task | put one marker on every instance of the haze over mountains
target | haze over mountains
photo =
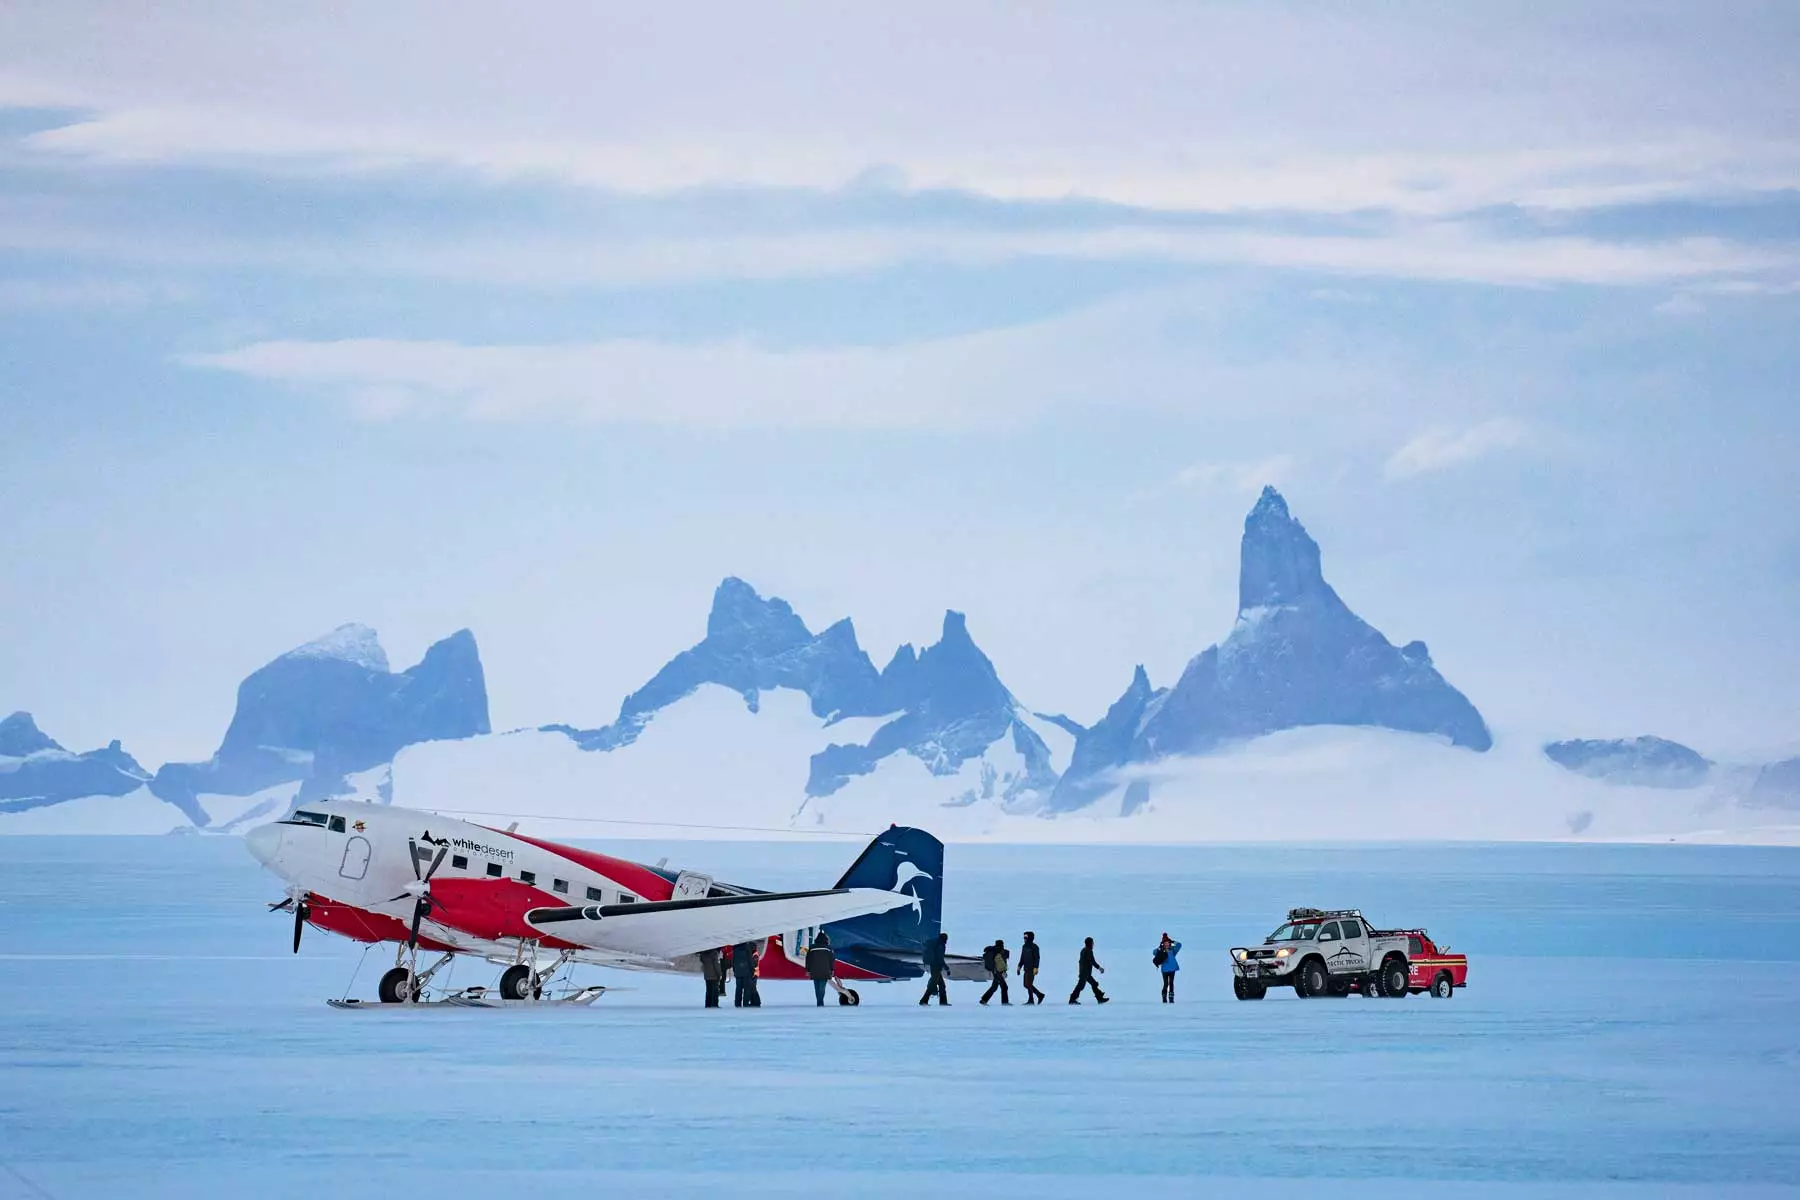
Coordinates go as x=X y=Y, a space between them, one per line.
x=1303 y=721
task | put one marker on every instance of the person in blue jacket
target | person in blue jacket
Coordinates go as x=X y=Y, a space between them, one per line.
x=1165 y=959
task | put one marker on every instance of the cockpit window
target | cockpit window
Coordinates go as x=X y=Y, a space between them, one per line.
x=1295 y=931
x=337 y=824
x=300 y=817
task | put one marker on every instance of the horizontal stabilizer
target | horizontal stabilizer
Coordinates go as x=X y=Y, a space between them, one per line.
x=668 y=929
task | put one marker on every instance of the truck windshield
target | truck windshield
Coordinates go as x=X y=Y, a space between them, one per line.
x=1297 y=931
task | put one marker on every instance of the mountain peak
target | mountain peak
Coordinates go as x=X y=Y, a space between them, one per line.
x=351 y=643
x=19 y=736
x=1279 y=561
x=739 y=614
x=956 y=625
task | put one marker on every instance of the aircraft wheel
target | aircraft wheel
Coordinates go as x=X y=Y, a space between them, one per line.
x=849 y=998
x=392 y=988
x=515 y=983
x=1443 y=987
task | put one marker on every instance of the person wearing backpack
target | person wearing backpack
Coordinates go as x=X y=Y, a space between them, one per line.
x=1028 y=968
x=994 y=959
x=1164 y=958
x=935 y=964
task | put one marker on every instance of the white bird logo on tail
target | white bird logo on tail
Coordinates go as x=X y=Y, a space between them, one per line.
x=904 y=874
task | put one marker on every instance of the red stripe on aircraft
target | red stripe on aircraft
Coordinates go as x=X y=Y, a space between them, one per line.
x=633 y=877
x=361 y=925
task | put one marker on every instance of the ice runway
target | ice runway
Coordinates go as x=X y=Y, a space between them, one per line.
x=1629 y=1030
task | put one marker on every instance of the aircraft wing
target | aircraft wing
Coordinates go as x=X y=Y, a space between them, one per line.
x=671 y=928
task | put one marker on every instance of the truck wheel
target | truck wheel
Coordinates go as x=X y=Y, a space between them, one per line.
x=1371 y=986
x=1312 y=979
x=1394 y=978
x=1443 y=987
x=1245 y=990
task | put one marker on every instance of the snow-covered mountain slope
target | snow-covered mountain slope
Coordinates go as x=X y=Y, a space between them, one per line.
x=1313 y=784
x=46 y=788
x=325 y=710
x=1296 y=656
x=945 y=708
x=134 y=812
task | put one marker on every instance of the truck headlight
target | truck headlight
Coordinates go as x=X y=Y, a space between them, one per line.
x=1240 y=955
x=1284 y=952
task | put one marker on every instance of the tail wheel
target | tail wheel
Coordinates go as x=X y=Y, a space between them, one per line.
x=515 y=983
x=1312 y=980
x=393 y=988
x=1443 y=987
x=1394 y=978
x=849 y=998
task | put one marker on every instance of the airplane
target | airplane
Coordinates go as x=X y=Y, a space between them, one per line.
x=377 y=873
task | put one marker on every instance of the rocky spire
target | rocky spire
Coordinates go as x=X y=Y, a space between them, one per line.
x=1279 y=561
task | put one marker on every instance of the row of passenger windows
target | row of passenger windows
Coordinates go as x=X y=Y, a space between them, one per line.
x=529 y=878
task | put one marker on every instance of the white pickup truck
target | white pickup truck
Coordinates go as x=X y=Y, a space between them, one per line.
x=1320 y=952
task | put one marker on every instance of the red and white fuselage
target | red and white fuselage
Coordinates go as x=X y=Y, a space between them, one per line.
x=502 y=895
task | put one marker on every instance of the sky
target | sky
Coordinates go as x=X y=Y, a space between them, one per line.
x=540 y=323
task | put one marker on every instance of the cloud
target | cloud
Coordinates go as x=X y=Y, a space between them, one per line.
x=1142 y=353
x=1421 y=112
x=57 y=294
x=1235 y=477
x=1439 y=449
x=1680 y=305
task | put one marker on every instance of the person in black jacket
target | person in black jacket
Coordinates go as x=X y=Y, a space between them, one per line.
x=821 y=963
x=1089 y=964
x=743 y=973
x=934 y=962
x=1028 y=968
x=994 y=958
x=712 y=969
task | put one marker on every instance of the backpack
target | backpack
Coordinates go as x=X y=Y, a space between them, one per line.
x=1160 y=957
x=987 y=959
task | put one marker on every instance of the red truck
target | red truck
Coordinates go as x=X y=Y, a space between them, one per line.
x=1431 y=969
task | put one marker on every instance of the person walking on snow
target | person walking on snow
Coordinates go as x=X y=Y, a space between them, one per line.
x=994 y=959
x=821 y=964
x=1089 y=964
x=1028 y=968
x=1164 y=958
x=934 y=963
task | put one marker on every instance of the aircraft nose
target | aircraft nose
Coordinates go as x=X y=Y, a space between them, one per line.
x=264 y=842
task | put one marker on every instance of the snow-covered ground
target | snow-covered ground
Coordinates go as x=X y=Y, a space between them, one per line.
x=710 y=764
x=1627 y=1032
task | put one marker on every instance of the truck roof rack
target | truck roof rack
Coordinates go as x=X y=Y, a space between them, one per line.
x=1307 y=914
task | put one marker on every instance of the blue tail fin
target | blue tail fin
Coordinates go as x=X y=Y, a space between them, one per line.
x=904 y=860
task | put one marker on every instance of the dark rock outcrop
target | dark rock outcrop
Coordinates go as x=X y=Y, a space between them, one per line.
x=35 y=770
x=1297 y=656
x=330 y=708
x=948 y=704
x=1641 y=761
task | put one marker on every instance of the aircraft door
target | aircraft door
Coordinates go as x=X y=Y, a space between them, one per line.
x=692 y=885
x=356 y=858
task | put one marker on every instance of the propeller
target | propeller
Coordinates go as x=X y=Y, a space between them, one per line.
x=299 y=906
x=420 y=889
